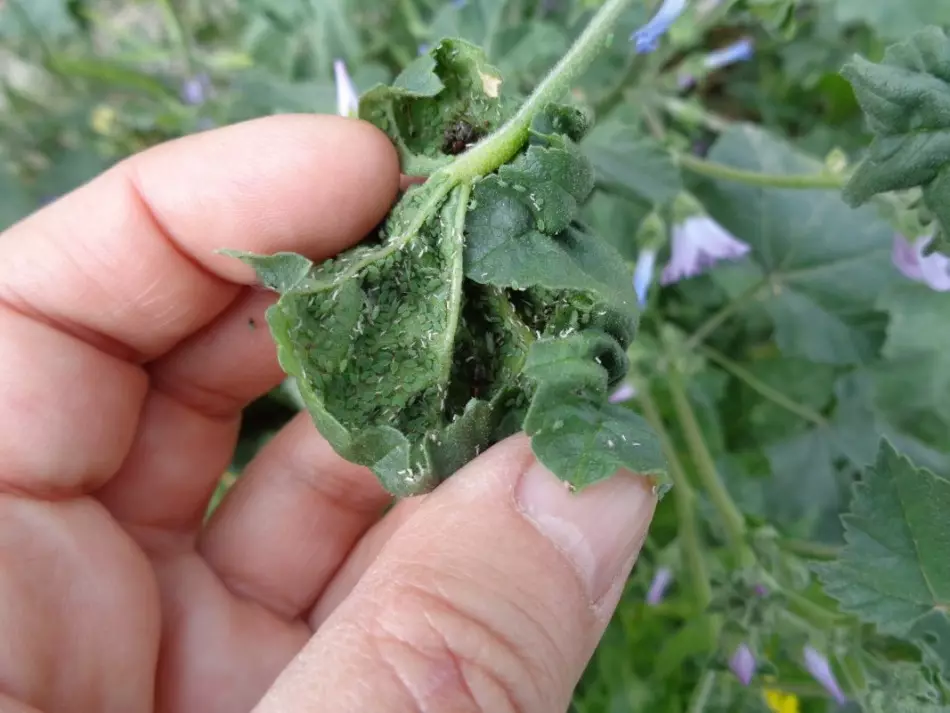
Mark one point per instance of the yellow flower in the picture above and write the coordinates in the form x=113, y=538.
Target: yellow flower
x=103, y=120
x=780, y=702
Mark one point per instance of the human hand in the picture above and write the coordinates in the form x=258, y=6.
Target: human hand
x=128, y=353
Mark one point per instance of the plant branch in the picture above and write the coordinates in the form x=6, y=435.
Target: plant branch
x=684, y=498
x=501, y=147
x=756, y=384
x=754, y=178
x=733, y=520
x=700, y=698
x=693, y=114
x=729, y=309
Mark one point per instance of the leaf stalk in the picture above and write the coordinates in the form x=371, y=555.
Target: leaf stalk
x=684, y=499
x=732, y=518
x=720, y=171
x=504, y=144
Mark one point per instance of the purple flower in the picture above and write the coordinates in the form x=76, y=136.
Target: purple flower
x=623, y=393
x=647, y=38
x=347, y=98
x=933, y=270
x=661, y=581
x=739, y=51
x=195, y=90
x=817, y=665
x=700, y=242
x=761, y=590
x=643, y=274
x=742, y=664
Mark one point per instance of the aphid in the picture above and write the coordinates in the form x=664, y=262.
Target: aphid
x=459, y=136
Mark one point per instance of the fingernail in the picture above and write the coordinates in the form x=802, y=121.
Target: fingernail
x=599, y=529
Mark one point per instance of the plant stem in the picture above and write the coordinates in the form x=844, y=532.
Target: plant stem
x=684, y=498
x=754, y=178
x=733, y=520
x=414, y=23
x=811, y=550
x=693, y=114
x=615, y=95
x=729, y=309
x=855, y=676
x=500, y=147
x=700, y=698
x=176, y=28
x=772, y=394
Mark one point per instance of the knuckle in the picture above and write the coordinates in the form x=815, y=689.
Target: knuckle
x=449, y=655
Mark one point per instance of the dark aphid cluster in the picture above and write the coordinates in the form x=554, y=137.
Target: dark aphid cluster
x=459, y=136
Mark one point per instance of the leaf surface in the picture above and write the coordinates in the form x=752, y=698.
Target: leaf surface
x=894, y=569
x=480, y=309
x=821, y=264
x=906, y=98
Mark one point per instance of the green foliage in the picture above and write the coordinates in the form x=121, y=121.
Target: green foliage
x=819, y=292
x=893, y=21
x=893, y=570
x=497, y=296
x=907, y=102
x=476, y=312
x=915, y=382
x=452, y=83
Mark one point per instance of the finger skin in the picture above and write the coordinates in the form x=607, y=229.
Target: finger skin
x=291, y=520
x=468, y=608
x=78, y=609
x=125, y=269
x=190, y=422
x=121, y=351
x=143, y=270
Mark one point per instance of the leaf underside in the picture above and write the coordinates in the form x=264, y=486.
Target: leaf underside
x=479, y=309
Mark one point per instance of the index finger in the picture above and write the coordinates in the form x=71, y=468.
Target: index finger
x=130, y=258
x=123, y=269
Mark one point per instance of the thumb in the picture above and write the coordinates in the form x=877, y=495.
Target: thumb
x=490, y=598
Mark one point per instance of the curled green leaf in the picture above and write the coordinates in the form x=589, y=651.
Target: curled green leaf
x=907, y=102
x=480, y=309
x=444, y=101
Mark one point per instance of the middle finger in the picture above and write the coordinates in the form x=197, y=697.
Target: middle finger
x=290, y=522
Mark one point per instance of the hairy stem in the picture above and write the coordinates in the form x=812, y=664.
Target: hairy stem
x=756, y=384
x=501, y=147
x=455, y=212
x=684, y=498
x=733, y=520
x=754, y=178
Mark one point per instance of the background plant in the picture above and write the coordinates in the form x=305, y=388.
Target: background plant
x=792, y=353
